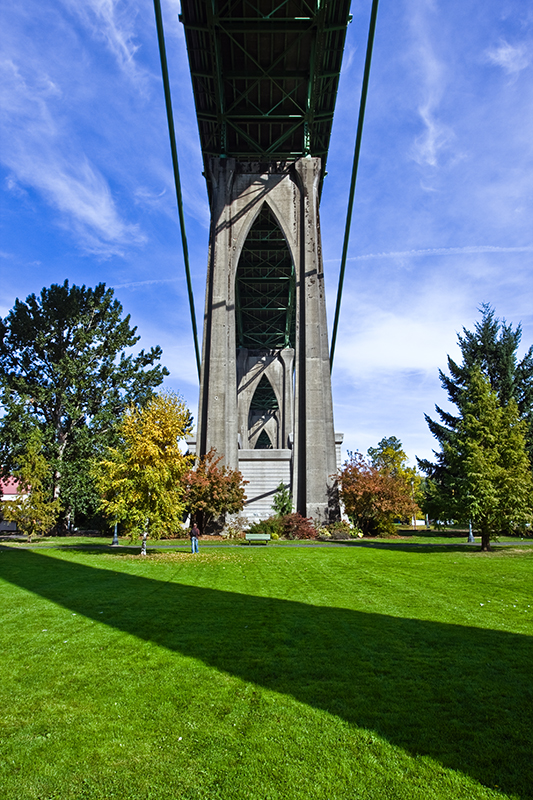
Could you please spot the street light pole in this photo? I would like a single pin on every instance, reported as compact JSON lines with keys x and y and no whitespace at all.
{"x":114,"y":543}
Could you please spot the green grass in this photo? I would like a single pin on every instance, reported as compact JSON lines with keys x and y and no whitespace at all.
{"x":273,"y":673}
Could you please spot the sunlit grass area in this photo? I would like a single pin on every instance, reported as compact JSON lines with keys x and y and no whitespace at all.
{"x":274,"y":672}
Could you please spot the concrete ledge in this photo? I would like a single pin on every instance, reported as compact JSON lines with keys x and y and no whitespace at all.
{"x":265,"y":455}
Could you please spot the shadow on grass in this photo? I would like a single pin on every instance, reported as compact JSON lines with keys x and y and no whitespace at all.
{"x":395,"y":544}
{"x":460,"y":695}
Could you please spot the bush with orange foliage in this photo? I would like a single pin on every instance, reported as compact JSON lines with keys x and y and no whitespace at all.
{"x":211,"y":491}
{"x":372,"y":496}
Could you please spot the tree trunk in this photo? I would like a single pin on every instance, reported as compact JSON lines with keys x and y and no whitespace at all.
{"x":485,"y":541}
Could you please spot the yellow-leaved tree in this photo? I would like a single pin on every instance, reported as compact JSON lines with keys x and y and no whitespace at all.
{"x":33,"y":510}
{"x":140,"y":482}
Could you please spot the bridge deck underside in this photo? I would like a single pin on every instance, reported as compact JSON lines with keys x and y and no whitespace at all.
{"x":265,"y":75}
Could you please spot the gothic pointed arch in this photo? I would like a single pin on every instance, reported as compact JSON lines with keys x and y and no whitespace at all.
{"x":263,"y":441}
{"x":263,"y":417}
{"x":265,"y":287}
{"x":264,"y":398}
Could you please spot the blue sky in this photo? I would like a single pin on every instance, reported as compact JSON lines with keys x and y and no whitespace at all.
{"x":444,"y":204}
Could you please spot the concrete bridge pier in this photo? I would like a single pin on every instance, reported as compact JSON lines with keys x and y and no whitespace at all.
{"x":265,"y":389}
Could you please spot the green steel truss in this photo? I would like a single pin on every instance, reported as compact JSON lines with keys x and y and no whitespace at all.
{"x":264,"y":398}
{"x":264,"y":288}
{"x":265,"y":75}
{"x":263,"y":442}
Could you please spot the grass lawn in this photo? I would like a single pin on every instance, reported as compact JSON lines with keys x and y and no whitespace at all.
{"x":273,"y":673}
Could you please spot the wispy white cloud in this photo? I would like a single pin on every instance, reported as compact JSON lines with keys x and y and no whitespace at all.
{"x":393,"y":342}
{"x":111,"y":21}
{"x":511,"y":58}
{"x":37,"y":152}
{"x":436,"y":135}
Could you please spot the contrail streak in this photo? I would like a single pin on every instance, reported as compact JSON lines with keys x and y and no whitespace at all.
{"x":441,"y":251}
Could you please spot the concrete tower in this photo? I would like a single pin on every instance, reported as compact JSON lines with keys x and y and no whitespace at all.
{"x":265,"y":390}
{"x":265,"y":78}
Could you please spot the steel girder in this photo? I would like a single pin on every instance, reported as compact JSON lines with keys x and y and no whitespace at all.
{"x":265,"y":75}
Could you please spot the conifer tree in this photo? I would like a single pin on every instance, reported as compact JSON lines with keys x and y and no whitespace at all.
{"x":489,"y":477}
{"x":491,"y":347}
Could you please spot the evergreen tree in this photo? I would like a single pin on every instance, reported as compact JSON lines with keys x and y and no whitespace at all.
{"x":489,"y":479}
{"x":492,"y":346}
{"x":282,"y":501}
{"x":64,"y":371}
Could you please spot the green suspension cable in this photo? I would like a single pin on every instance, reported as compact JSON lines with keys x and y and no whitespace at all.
{"x":172,"y":135}
{"x":358,"y":138}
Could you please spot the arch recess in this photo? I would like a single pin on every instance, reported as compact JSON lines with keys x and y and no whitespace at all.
{"x":265,"y":287}
{"x":263,"y":442}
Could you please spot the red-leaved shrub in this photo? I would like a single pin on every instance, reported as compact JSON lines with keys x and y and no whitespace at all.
{"x":294,"y":526}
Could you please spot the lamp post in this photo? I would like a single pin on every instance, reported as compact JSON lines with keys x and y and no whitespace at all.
{"x":114,"y":543}
{"x":144,"y":538}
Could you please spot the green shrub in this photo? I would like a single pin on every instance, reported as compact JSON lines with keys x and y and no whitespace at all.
{"x":340,"y":530}
{"x":274,"y":536}
{"x":282,"y":502}
{"x":271,"y":525}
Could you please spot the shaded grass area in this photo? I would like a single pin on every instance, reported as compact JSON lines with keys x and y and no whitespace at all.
{"x":451,"y":535}
{"x":71,"y":540}
{"x":272,"y":673}
{"x":404,"y":536}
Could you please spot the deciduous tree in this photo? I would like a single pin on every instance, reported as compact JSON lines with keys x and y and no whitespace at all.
{"x":372,"y":496}
{"x":389,"y":456}
{"x":64,"y":370}
{"x":142,"y":479}
{"x":211,"y":490}
{"x":33,"y":511}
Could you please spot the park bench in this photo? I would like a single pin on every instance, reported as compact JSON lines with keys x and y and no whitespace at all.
{"x":257,"y":537}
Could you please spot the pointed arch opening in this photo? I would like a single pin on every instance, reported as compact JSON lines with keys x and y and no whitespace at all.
{"x":263,"y":442}
{"x":264,"y":398}
{"x":263,"y":419}
{"x":265,"y":288}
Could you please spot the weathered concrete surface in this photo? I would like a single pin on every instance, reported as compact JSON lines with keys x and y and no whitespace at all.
{"x":229,"y":377}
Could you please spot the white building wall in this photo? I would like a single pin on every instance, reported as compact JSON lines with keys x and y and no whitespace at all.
{"x":265,"y":470}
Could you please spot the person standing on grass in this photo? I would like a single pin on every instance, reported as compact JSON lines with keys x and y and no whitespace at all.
{"x":194,"y":534}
